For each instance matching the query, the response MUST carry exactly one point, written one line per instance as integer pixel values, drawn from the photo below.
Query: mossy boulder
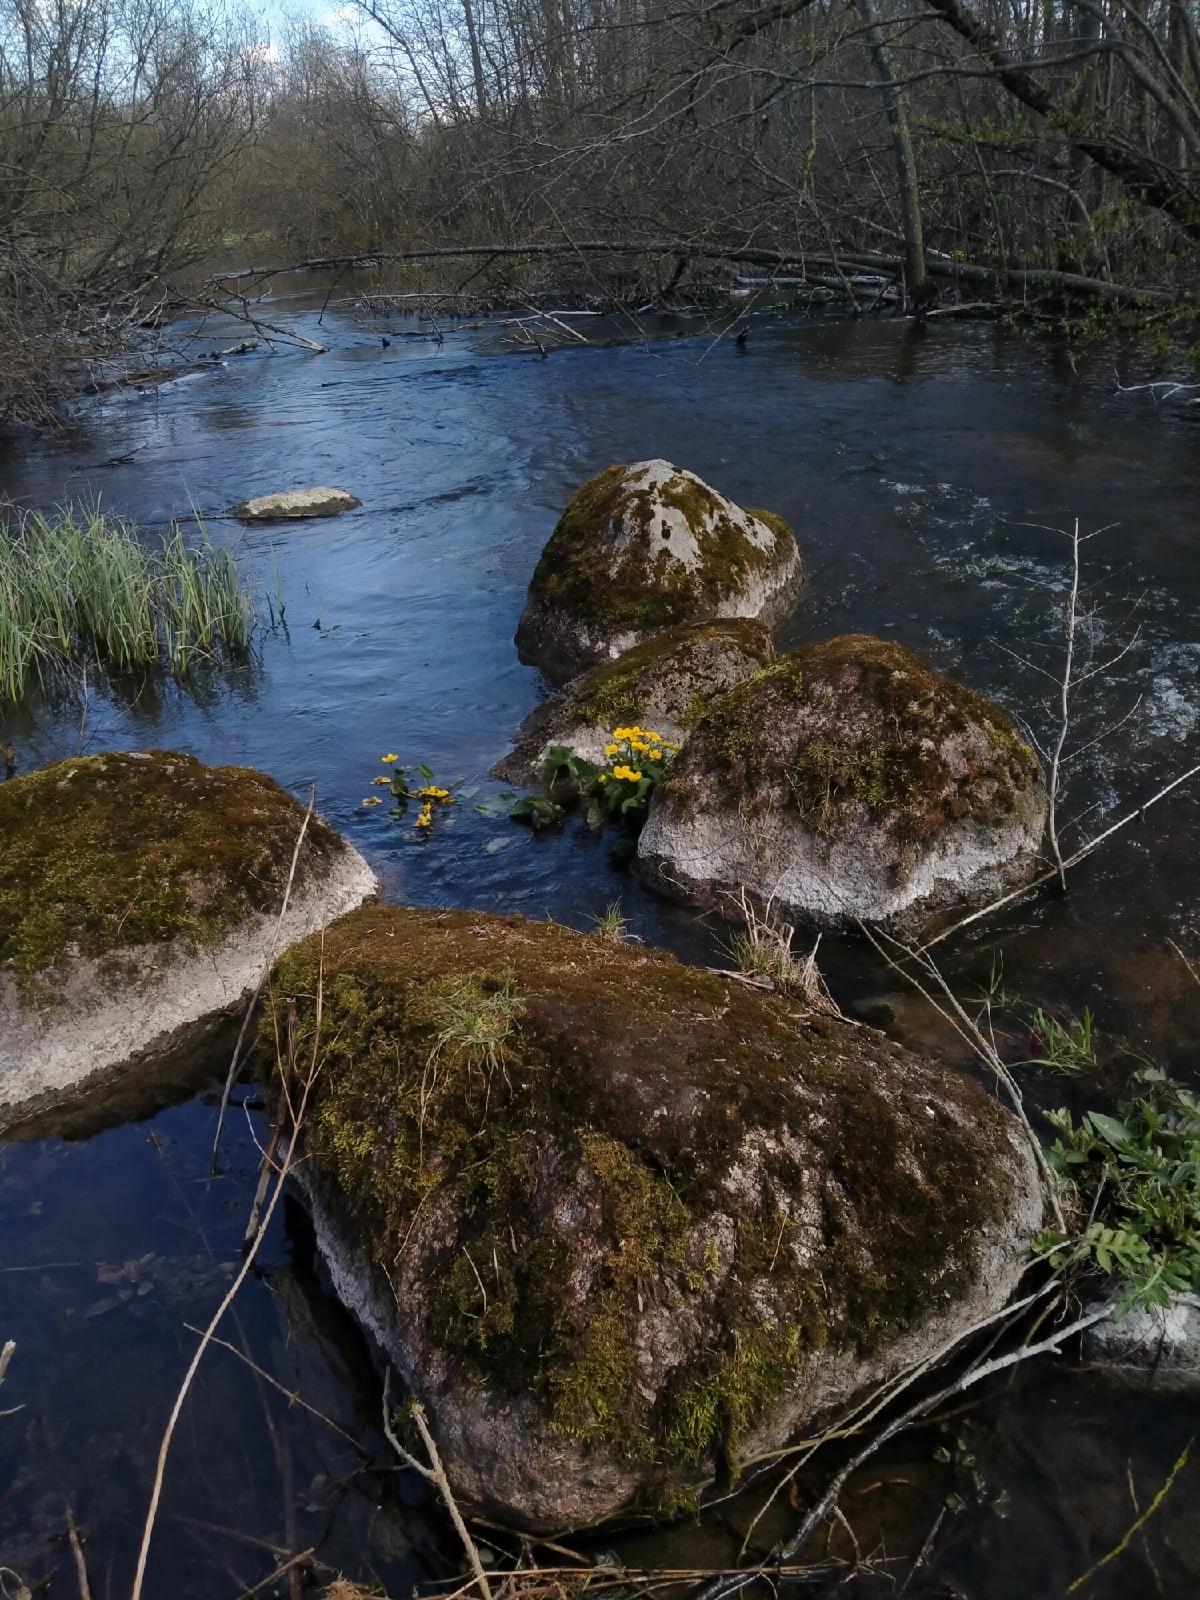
(663, 683)
(848, 781)
(644, 547)
(140, 894)
(622, 1223)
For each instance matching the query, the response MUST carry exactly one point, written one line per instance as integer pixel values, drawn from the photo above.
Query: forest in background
(1039, 152)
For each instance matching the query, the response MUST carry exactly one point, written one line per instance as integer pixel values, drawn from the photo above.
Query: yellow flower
(389, 759)
(622, 733)
(638, 744)
(612, 749)
(372, 800)
(381, 782)
(431, 791)
(627, 773)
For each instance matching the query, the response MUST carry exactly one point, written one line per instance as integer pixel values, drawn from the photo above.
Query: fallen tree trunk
(1019, 280)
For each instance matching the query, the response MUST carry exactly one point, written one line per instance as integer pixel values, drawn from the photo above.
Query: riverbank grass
(81, 587)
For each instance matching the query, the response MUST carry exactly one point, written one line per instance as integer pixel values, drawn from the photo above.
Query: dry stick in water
(297, 1113)
(235, 1061)
(435, 1474)
(81, 1571)
(1141, 1522)
(1070, 861)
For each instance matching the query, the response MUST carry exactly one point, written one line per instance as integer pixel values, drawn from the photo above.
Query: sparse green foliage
(1142, 1170)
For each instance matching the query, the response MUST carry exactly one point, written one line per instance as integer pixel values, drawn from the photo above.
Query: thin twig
(81, 1571)
(1140, 1523)
(262, 978)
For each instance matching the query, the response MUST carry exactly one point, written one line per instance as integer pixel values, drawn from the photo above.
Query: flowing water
(929, 473)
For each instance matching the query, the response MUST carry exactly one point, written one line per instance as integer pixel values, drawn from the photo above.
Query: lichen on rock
(648, 546)
(137, 888)
(620, 1222)
(848, 781)
(663, 683)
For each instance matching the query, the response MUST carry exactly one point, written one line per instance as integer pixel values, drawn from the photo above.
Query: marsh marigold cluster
(636, 759)
(431, 795)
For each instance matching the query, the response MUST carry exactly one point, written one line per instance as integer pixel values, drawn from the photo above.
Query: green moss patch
(639, 1141)
(101, 854)
(640, 586)
(857, 726)
(619, 691)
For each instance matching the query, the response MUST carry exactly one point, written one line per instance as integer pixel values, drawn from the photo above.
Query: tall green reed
(79, 586)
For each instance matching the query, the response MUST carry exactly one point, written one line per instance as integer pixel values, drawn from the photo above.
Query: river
(929, 474)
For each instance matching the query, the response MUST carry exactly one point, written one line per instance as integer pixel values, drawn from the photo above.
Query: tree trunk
(917, 290)
(476, 59)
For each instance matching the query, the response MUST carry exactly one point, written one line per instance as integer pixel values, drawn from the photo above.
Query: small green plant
(539, 812)
(610, 924)
(1068, 1048)
(971, 1486)
(429, 797)
(1139, 1172)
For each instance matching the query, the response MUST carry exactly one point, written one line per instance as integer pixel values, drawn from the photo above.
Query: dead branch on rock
(269, 957)
(434, 1473)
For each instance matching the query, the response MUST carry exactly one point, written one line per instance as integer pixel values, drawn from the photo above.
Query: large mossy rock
(663, 683)
(615, 1219)
(645, 547)
(848, 782)
(140, 894)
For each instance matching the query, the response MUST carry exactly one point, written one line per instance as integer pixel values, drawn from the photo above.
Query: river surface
(930, 475)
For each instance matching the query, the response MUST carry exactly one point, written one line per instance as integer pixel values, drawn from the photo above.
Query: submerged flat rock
(296, 503)
(644, 547)
(848, 782)
(615, 1219)
(140, 895)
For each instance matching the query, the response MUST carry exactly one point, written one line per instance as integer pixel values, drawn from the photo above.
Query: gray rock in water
(615, 1219)
(1158, 1348)
(848, 781)
(294, 504)
(645, 547)
(662, 684)
(140, 894)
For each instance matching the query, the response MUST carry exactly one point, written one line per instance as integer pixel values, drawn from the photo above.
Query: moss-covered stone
(663, 683)
(648, 546)
(856, 724)
(636, 1216)
(102, 854)
(852, 750)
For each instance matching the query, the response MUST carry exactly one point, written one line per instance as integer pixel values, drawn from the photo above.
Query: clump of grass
(1069, 1047)
(610, 923)
(81, 586)
(761, 951)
